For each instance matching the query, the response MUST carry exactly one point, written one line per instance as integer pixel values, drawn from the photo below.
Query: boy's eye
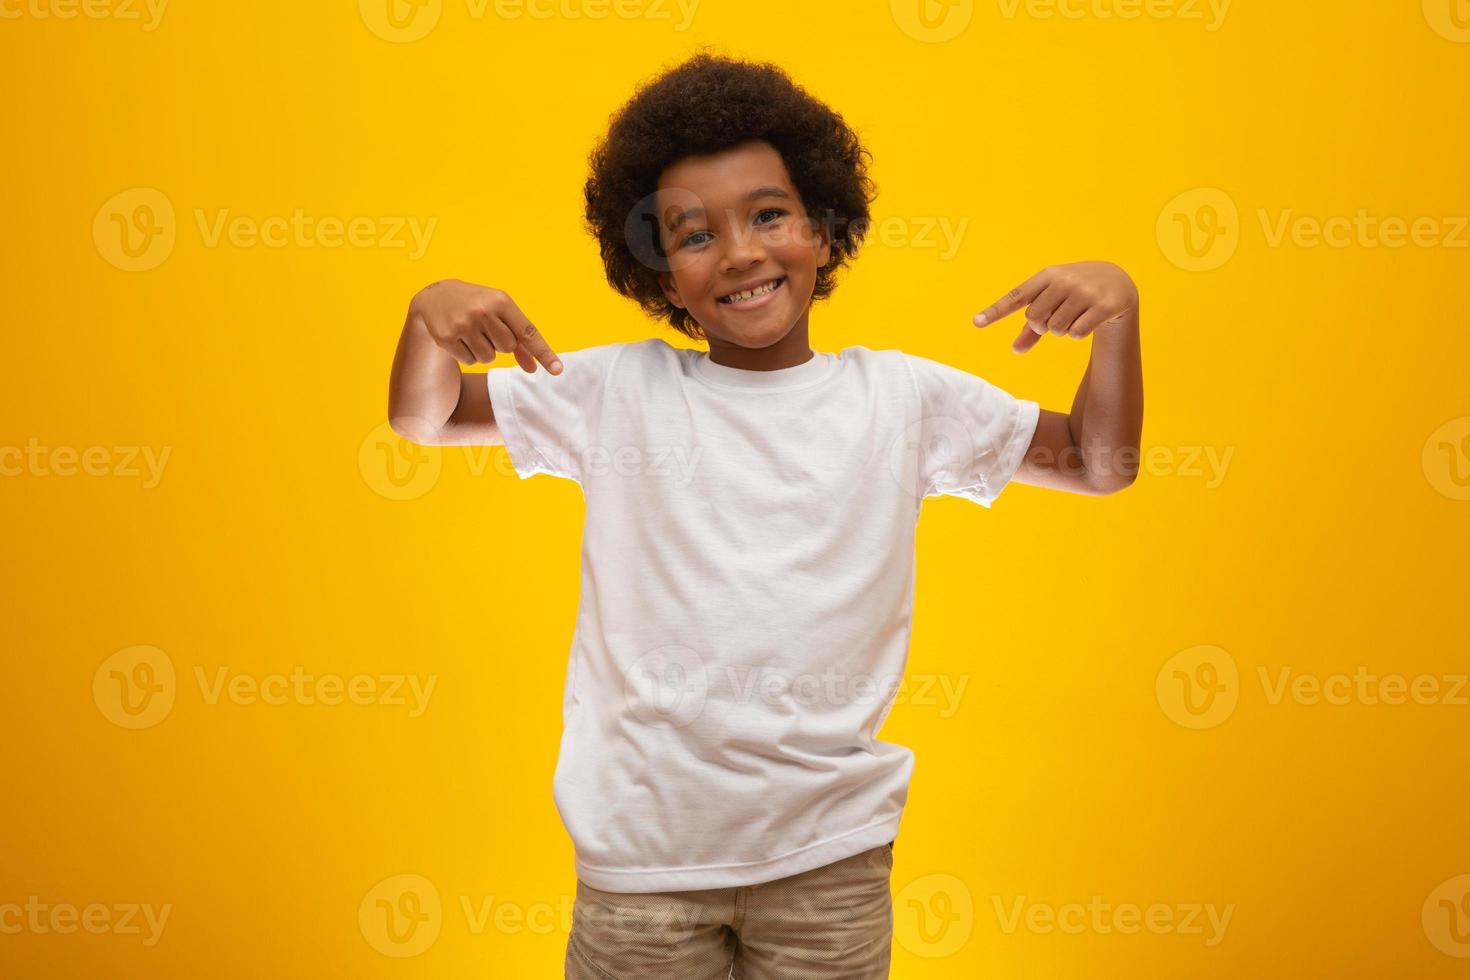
(691, 238)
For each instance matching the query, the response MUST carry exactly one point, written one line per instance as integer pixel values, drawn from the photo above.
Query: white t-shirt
(747, 579)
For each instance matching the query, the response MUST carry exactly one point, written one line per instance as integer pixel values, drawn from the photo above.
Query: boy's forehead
(724, 177)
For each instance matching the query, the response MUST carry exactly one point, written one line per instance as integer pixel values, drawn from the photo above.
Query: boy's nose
(745, 250)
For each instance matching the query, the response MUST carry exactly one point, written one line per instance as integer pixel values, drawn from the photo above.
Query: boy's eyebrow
(759, 192)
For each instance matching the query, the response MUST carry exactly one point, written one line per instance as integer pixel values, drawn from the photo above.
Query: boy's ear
(666, 283)
(824, 249)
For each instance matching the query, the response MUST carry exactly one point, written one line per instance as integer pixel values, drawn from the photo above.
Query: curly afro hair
(705, 105)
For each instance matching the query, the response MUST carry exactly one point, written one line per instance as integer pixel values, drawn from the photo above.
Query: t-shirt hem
(736, 875)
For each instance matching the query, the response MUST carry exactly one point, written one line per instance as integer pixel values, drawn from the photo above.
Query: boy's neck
(790, 351)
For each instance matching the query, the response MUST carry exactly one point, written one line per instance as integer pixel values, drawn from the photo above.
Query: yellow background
(1333, 541)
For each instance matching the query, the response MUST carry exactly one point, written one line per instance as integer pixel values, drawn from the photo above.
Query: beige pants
(830, 923)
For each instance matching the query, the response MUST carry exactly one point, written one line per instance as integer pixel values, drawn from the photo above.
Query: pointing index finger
(529, 338)
(1012, 301)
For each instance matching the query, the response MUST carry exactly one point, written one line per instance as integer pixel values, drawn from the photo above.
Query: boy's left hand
(1069, 300)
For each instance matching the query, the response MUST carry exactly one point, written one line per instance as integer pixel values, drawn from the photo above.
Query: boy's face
(731, 221)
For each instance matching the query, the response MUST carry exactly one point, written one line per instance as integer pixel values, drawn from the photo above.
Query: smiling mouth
(753, 297)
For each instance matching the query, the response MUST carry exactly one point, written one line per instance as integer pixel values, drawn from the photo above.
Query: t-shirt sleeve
(970, 436)
(549, 421)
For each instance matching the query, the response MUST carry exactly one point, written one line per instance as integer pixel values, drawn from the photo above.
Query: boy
(748, 549)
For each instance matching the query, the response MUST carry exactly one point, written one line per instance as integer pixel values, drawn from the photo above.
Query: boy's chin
(754, 336)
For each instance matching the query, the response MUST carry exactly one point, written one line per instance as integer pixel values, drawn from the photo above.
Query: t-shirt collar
(809, 371)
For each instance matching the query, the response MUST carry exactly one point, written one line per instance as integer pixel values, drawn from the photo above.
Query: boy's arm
(1095, 448)
(449, 323)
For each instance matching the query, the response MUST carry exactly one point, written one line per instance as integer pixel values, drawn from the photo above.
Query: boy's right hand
(474, 322)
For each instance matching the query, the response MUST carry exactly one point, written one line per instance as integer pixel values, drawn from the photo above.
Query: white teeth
(752, 293)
